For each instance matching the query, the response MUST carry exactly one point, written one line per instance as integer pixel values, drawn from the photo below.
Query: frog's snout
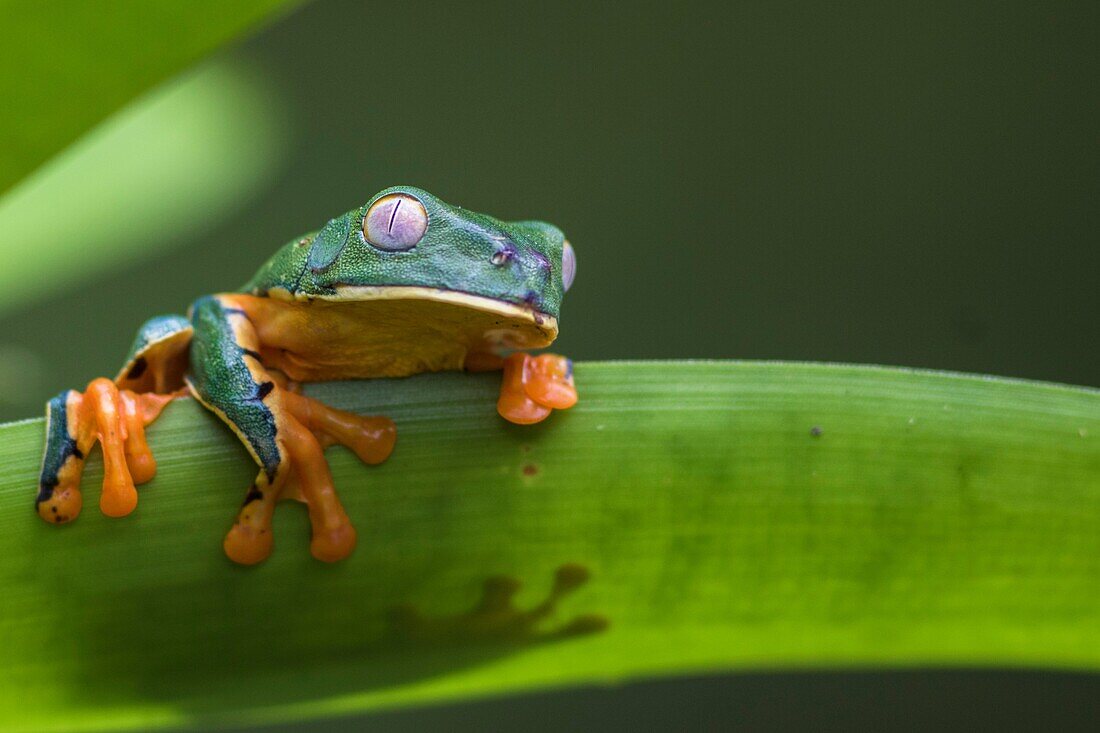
(541, 261)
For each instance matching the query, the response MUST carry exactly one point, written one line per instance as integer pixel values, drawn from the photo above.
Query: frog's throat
(349, 293)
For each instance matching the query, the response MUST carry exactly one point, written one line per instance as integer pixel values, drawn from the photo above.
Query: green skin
(519, 263)
(454, 254)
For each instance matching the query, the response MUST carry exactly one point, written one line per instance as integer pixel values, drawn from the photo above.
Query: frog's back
(283, 273)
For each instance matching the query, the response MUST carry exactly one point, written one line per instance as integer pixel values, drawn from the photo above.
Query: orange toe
(143, 467)
(119, 499)
(375, 439)
(248, 545)
(514, 405)
(334, 543)
(63, 506)
(549, 381)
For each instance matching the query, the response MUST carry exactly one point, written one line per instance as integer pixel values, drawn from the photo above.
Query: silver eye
(568, 264)
(395, 222)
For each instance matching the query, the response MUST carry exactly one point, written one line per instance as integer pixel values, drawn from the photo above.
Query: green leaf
(63, 75)
(730, 515)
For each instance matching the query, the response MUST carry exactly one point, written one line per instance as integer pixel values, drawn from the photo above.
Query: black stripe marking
(45, 490)
(264, 390)
(60, 445)
(254, 494)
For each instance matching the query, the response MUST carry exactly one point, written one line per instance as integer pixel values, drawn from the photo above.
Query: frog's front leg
(76, 421)
(286, 433)
(533, 386)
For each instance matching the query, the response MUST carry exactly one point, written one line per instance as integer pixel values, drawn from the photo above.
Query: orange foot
(534, 386)
(116, 419)
(308, 428)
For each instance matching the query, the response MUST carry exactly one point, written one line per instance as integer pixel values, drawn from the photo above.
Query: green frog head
(405, 237)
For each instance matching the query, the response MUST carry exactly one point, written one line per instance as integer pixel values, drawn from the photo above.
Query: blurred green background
(860, 182)
(866, 182)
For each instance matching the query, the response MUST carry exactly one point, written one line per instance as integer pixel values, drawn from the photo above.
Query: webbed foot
(114, 418)
(534, 386)
(306, 431)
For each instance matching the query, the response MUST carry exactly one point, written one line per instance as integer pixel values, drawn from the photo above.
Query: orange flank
(550, 381)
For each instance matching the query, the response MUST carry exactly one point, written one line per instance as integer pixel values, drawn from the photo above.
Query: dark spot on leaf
(816, 431)
(530, 469)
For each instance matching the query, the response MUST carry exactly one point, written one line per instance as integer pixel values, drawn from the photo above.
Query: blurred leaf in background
(68, 65)
(161, 172)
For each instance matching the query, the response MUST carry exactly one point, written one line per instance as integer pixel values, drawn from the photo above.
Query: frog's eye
(568, 264)
(395, 222)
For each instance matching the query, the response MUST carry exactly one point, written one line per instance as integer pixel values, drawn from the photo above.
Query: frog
(404, 284)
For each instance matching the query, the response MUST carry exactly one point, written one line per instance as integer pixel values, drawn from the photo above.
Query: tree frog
(401, 285)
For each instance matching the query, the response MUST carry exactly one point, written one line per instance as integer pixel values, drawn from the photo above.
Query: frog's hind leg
(302, 474)
(307, 428)
(285, 432)
(314, 427)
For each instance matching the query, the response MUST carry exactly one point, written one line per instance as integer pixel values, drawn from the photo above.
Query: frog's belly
(318, 340)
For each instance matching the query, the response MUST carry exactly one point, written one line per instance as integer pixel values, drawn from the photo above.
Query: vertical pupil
(395, 222)
(394, 214)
